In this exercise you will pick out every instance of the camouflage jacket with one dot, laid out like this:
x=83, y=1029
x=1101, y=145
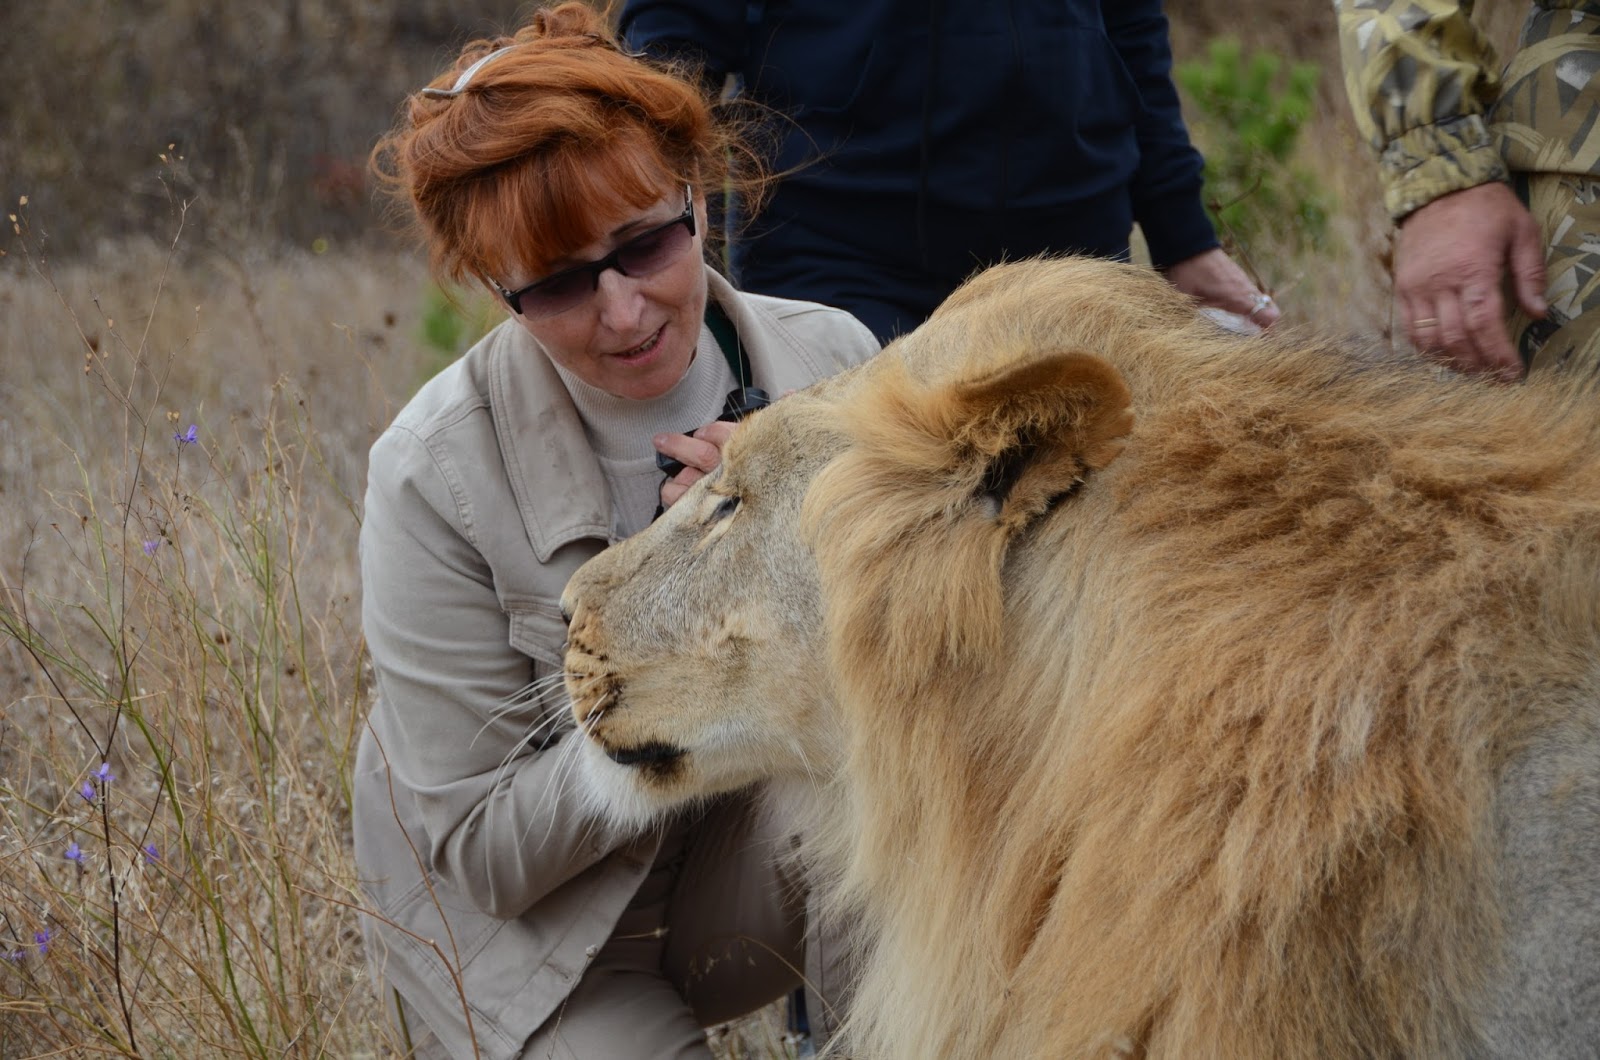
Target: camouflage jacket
x=1421, y=79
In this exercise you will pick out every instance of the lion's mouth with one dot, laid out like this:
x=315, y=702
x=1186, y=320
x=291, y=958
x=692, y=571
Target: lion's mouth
x=648, y=754
x=597, y=694
x=655, y=759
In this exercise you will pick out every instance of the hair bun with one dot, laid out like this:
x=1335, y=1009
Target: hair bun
x=570, y=20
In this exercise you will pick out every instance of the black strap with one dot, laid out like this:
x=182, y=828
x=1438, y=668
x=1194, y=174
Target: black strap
x=728, y=342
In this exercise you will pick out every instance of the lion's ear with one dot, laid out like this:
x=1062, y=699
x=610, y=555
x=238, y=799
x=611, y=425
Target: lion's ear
x=1027, y=435
x=917, y=517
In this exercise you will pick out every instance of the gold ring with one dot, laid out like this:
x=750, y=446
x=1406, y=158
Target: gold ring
x=1425, y=322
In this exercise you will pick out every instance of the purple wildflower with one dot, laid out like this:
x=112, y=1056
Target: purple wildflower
x=151, y=854
x=104, y=774
x=42, y=939
x=14, y=956
x=188, y=437
x=151, y=546
x=87, y=791
x=75, y=853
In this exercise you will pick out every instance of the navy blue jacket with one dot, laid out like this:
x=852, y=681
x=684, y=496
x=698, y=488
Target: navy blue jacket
x=1009, y=110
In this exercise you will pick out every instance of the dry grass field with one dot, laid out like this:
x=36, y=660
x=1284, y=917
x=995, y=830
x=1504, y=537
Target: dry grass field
x=184, y=418
x=180, y=655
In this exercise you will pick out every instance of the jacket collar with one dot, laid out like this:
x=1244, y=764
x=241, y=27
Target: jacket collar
x=554, y=475
x=779, y=362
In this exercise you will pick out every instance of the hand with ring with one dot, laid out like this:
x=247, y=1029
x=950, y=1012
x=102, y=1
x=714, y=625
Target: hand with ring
x=1448, y=268
x=1215, y=280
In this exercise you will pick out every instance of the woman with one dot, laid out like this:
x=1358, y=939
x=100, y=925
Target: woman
x=568, y=178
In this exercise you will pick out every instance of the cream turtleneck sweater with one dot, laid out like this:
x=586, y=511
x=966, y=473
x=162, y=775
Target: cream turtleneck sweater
x=620, y=429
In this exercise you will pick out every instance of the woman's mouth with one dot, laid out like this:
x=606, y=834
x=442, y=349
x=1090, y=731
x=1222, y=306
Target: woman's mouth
x=645, y=348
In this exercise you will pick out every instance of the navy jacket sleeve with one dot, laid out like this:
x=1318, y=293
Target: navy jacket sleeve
x=710, y=34
x=1166, y=189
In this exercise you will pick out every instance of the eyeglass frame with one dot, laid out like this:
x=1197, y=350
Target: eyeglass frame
x=513, y=299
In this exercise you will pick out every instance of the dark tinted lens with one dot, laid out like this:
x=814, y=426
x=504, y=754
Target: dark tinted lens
x=653, y=250
x=649, y=253
x=561, y=291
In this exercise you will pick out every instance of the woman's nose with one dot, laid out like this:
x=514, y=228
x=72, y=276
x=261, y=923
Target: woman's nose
x=621, y=301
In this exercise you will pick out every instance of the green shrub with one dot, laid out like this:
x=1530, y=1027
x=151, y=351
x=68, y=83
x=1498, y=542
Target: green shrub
x=1249, y=112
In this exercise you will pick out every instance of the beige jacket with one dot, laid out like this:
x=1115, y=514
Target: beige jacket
x=491, y=892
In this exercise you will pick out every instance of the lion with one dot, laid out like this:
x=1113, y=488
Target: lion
x=1144, y=690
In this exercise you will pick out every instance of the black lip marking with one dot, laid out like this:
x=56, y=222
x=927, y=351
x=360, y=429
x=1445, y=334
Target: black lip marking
x=648, y=755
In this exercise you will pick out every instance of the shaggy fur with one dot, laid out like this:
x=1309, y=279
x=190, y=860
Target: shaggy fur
x=1164, y=694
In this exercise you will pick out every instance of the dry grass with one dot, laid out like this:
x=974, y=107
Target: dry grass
x=185, y=614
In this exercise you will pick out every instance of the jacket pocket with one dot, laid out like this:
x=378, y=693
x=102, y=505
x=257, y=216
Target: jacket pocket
x=538, y=632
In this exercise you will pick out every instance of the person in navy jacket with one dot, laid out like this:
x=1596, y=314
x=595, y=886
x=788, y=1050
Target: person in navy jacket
x=923, y=141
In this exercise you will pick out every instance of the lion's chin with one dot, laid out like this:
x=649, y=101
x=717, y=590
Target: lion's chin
x=619, y=795
x=633, y=789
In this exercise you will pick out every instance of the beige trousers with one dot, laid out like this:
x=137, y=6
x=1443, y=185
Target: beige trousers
x=715, y=931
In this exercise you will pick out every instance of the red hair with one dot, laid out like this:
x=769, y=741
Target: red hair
x=547, y=144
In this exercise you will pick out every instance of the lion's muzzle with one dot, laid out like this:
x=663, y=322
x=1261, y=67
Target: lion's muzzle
x=597, y=695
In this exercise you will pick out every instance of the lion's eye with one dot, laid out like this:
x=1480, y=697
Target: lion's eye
x=725, y=507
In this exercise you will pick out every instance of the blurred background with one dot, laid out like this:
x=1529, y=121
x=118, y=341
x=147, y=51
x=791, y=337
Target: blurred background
x=259, y=117
x=270, y=107
x=266, y=111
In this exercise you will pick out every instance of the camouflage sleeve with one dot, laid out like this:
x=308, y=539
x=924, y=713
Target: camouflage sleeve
x=1420, y=77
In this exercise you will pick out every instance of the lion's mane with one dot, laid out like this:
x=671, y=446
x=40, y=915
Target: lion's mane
x=1189, y=746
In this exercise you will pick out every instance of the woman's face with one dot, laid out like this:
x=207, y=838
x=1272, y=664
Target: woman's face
x=631, y=336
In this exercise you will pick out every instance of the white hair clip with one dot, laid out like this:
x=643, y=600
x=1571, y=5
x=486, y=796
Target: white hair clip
x=466, y=77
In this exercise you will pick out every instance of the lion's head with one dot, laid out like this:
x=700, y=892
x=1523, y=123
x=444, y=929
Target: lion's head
x=698, y=666
x=1149, y=681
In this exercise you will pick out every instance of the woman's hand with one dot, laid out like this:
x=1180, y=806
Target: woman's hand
x=699, y=453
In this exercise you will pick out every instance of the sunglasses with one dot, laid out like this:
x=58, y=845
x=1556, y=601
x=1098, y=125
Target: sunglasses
x=644, y=254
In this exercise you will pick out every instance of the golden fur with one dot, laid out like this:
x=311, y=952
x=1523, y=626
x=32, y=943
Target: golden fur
x=1155, y=684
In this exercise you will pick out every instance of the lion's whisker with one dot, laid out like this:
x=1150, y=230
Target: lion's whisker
x=562, y=770
x=552, y=790
x=529, y=692
x=805, y=764
x=521, y=699
x=553, y=714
